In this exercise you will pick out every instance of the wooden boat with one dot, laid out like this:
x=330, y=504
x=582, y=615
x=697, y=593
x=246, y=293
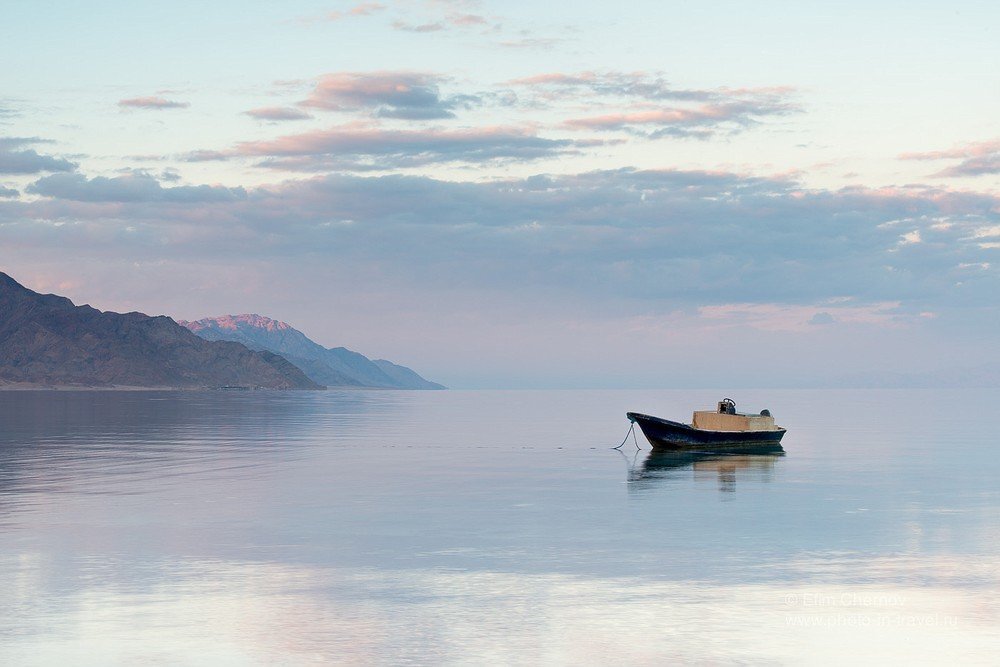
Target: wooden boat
x=723, y=428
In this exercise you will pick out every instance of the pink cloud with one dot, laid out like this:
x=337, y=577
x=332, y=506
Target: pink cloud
x=555, y=78
x=152, y=102
x=467, y=20
x=361, y=9
x=405, y=95
x=646, y=103
x=366, y=8
x=976, y=159
x=977, y=149
x=653, y=116
x=530, y=43
x=701, y=121
x=277, y=113
x=642, y=85
x=419, y=27
x=454, y=20
x=362, y=146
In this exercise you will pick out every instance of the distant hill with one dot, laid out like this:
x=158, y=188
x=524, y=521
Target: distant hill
x=334, y=367
x=47, y=340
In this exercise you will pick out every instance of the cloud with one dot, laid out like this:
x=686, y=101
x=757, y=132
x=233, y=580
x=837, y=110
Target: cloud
x=979, y=166
x=616, y=84
x=467, y=20
x=435, y=26
x=541, y=43
x=8, y=192
x=404, y=95
x=702, y=121
x=360, y=147
x=450, y=21
x=977, y=149
x=152, y=102
x=16, y=159
x=667, y=239
x=636, y=103
x=277, y=113
x=8, y=143
x=31, y=162
x=135, y=187
x=205, y=156
x=360, y=9
x=796, y=317
x=976, y=159
x=357, y=11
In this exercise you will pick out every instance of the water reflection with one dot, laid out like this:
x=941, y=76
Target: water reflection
x=244, y=612
x=751, y=464
x=239, y=612
x=91, y=441
x=472, y=527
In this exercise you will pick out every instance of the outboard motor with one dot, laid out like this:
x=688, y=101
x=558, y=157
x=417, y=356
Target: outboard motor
x=727, y=406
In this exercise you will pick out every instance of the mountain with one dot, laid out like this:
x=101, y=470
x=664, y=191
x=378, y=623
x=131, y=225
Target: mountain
x=403, y=375
x=334, y=367
x=46, y=340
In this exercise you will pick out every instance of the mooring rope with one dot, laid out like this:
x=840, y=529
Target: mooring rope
x=631, y=431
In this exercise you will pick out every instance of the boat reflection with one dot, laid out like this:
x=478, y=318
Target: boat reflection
x=753, y=464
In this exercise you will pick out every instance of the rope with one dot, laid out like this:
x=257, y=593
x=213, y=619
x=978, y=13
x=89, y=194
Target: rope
x=631, y=431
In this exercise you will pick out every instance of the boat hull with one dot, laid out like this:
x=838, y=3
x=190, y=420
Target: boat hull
x=665, y=435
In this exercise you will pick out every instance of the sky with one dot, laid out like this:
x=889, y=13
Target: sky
x=524, y=195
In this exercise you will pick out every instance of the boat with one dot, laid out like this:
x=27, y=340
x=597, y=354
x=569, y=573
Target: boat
x=722, y=428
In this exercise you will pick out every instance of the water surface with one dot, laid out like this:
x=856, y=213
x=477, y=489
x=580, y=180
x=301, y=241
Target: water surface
x=493, y=527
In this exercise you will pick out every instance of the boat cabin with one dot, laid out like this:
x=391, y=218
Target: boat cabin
x=725, y=418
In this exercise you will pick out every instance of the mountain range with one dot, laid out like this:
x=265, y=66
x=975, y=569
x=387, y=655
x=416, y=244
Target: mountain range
x=333, y=367
x=46, y=340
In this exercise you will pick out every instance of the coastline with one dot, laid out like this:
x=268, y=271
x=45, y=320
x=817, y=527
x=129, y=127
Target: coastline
x=33, y=386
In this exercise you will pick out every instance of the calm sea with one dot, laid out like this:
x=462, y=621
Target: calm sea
x=494, y=528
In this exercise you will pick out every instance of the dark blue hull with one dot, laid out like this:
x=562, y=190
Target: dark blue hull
x=664, y=434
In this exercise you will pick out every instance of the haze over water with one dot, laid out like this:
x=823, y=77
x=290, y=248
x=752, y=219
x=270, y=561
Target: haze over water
x=493, y=527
